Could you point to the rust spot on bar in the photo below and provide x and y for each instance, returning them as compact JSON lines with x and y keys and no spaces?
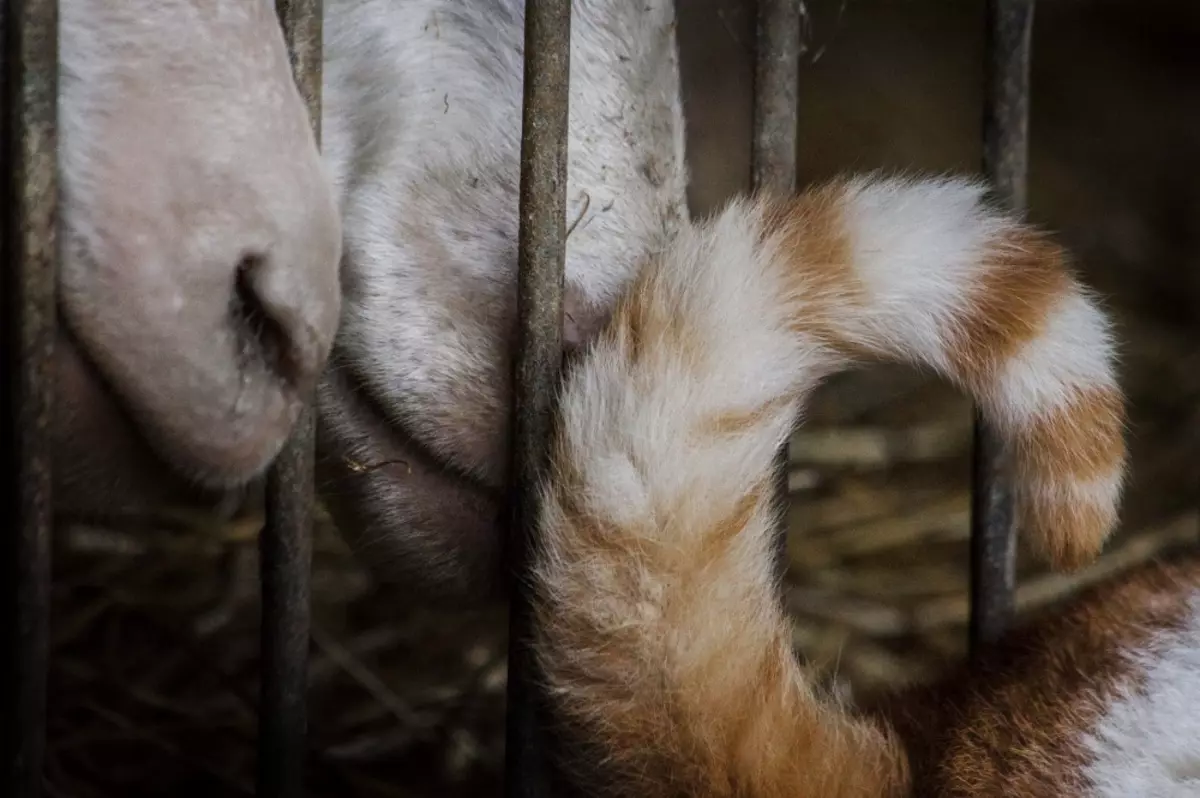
{"x":1005,"y":163}
{"x":286,"y":539}
{"x":541,"y":246}
{"x":773,"y":144}
{"x":29,"y":252}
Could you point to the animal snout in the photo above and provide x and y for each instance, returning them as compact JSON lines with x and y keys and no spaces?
{"x":281,"y":304}
{"x":283,"y":318}
{"x":211,"y":326}
{"x":199,"y":272}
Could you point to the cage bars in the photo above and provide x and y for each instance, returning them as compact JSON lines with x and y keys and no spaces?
{"x":541,"y":242}
{"x":1007,"y":43}
{"x":285,"y":544}
{"x":773,"y":149}
{"x":28,"y":252}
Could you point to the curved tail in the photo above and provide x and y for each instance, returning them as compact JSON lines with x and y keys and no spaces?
{"x":659,"y":627}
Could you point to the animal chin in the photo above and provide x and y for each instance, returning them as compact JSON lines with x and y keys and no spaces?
{"x":413,"y":519}
{"x":107,"y":461}
{"x":248,"y":447}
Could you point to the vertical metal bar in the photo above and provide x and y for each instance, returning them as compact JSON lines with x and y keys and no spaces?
{"x":773,"y":145}
{"x":541,"y":248}
{"x":1005,"y":162}
{"x":286,"y":540}
{"x":776,"y":96}
{"x":28,"y":259}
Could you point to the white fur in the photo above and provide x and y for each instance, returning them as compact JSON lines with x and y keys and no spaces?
{"x":724,"y":289}
{"x":422,"y":124}
{"x":422,"y":134}
{"x":1076,"y":352}
{"x":917,"y":249}
{"x":1100,"y":491}
{"x":1148,"y":742}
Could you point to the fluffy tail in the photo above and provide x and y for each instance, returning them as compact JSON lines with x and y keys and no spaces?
{"x":660,"y":631}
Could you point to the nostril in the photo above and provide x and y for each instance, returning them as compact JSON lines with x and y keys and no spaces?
{"x":263,"y":327}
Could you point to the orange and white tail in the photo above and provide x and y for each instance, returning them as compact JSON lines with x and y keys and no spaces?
{"x":659,"y":627}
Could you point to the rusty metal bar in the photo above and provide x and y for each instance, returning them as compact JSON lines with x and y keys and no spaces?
{"x":29,"y":256}
{"x":541,"y":249}
{"x":1005,"y":163}
{"x":286,"y":540}
{"x":773,"y":144}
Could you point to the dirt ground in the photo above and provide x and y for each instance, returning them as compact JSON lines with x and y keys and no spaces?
{"x":155,"y":636}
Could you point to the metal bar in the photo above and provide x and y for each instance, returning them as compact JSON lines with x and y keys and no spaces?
{"x":29,"y":255}
{"x":286,"y":540}
{"x":1005,"y":162}
{"x":541,"y":248}
{"x":776,"y":96}
{"x":773,"y":145}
